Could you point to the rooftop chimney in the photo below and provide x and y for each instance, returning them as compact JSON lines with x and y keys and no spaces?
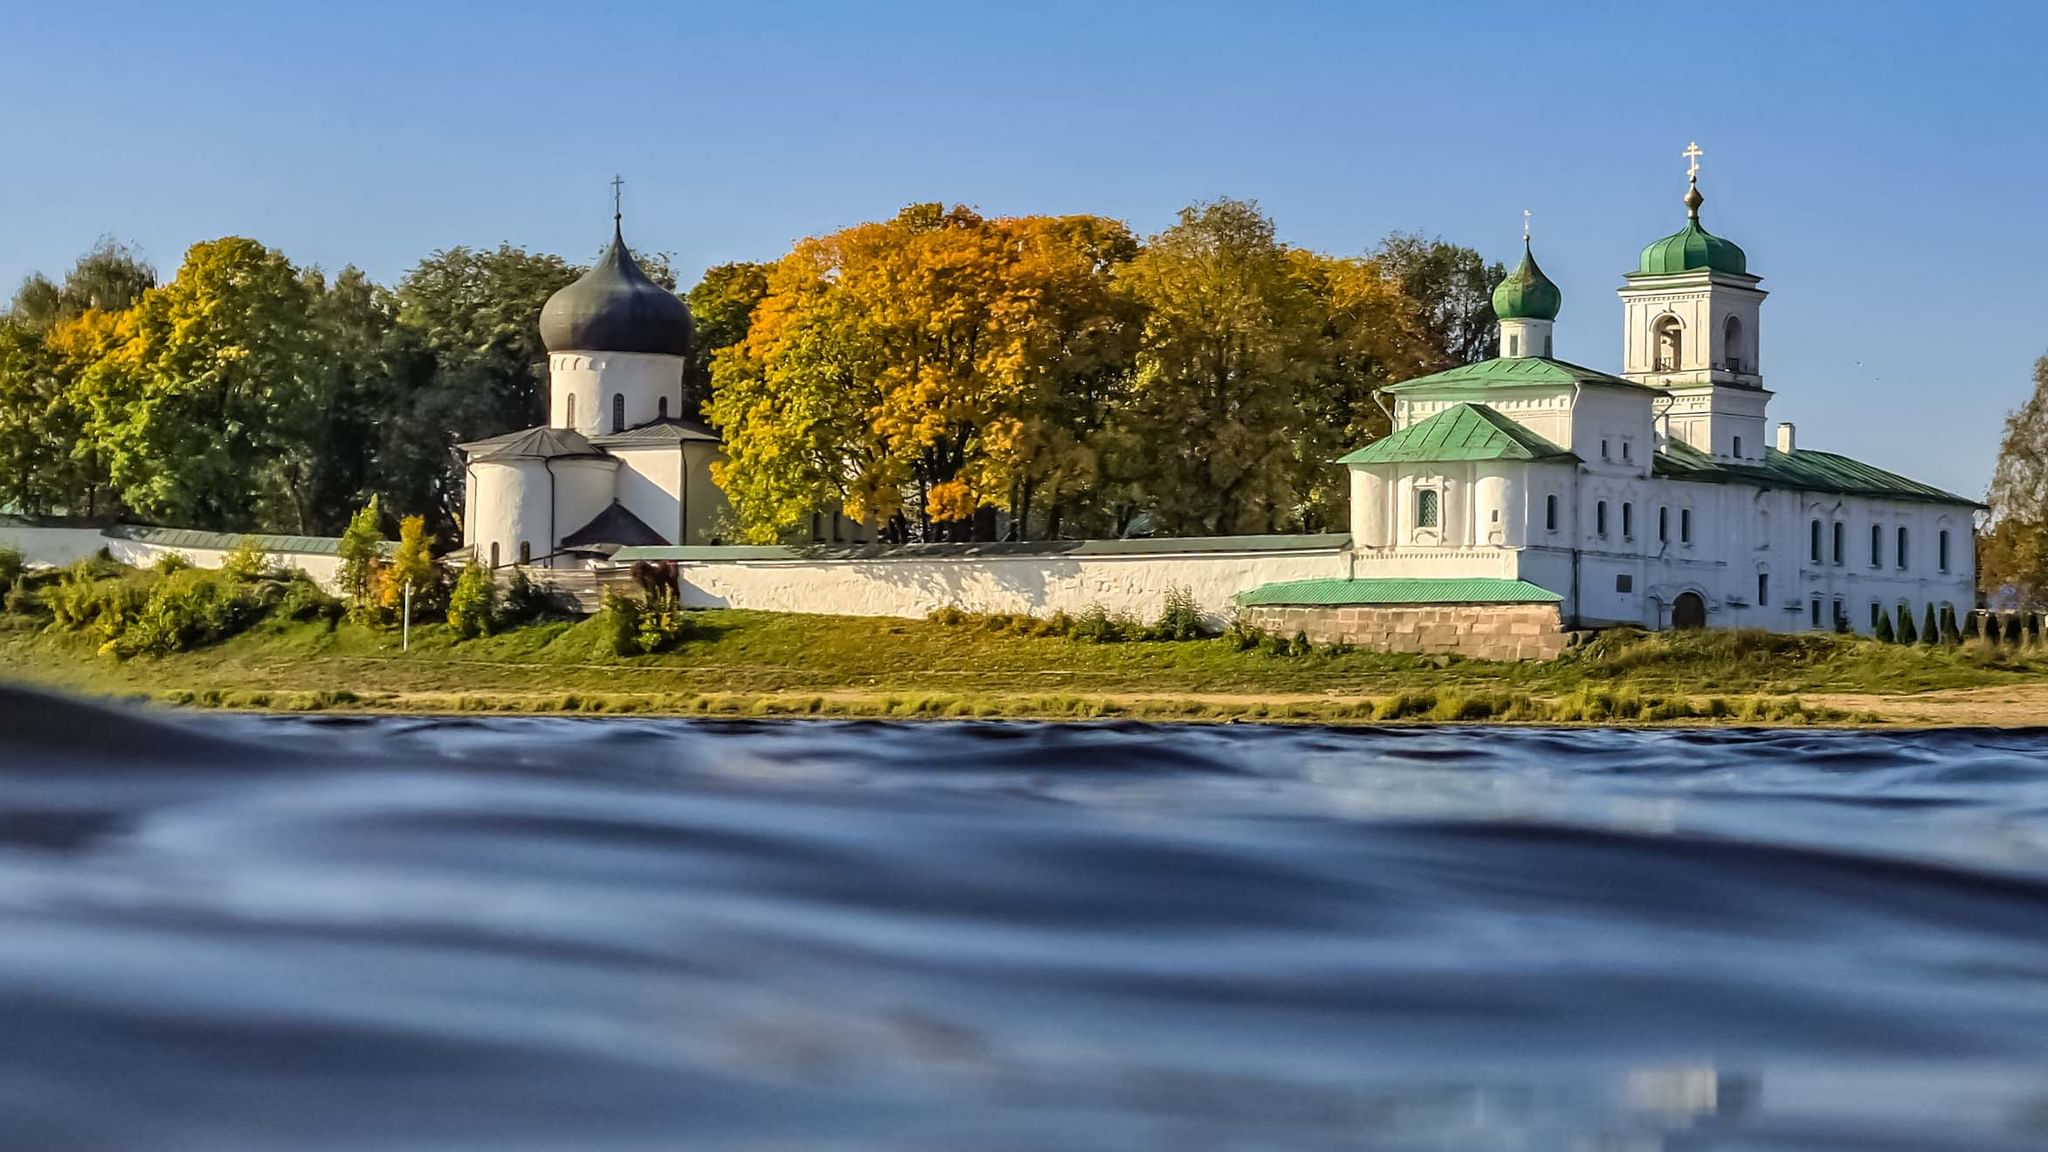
{"x":1786,"y":437}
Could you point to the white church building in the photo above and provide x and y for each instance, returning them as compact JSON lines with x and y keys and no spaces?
{"x":616,"y":465}
{"x":1658,"y":496}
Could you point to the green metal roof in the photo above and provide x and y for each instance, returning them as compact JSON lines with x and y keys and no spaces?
{"x":224,"y":541}
{"x":1805,"y":470}
{"x":1463,"y":590}
{"x":1514,"y":371}
{"x":1460,"y":432}
{"x":1693,"y":248}
{"x":1527,"y":294}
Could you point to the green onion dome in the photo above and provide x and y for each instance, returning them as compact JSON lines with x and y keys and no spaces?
{"x":1693,"y":248}
{"x":1527,"y":294}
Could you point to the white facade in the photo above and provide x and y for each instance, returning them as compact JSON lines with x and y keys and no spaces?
{"x":600,"y":393}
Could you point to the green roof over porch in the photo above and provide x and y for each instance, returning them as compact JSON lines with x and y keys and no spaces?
{"x":1390,"y":590}
{"x":1460,"y":432}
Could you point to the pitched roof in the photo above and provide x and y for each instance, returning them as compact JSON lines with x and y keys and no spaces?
{"x":1460,"y":432}
{"x":654,"y":433}
{"x":617,"y":527}
{"x":1400,"y":590}
{"x":531,"y":444}
{"x":1512,"y":371}
{"x":1804,"y":470}
{"x":1147,"y":546}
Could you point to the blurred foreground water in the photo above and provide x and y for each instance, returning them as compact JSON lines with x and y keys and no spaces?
{"x":221,"y":933}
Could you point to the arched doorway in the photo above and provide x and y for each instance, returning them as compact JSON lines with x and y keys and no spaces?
{"x":1688,"y":611}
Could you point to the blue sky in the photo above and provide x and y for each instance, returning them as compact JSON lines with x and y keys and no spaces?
{"x":1882,"y":164}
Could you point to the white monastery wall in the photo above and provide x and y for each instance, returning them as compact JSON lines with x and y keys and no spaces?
{"x":59,"y":547}
{"x":590,"y":382}
{"x":52,"y":547}
{"x":1037,"y":583}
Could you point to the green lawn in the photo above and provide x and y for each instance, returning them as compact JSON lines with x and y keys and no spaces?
{"x":766,"y":663}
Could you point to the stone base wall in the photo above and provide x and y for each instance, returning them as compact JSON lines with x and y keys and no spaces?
{"x":1480,"y":631}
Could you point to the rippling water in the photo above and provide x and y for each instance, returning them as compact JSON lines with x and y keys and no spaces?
{"x":222,"y":933}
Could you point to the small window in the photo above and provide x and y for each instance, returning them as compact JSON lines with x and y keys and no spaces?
{"x":569,"y":411}
{"x":1663,"y":525}
{"x":1600,"y":519}
{"x":1628,"y":520}
{"x":1876,"y":614}
{"x":1841,"y":542}
{"x":525,"y":552}
{"x":1550,"y":512}
{"x":1624,"y":583}
{"x":1685,"y":525}
{"x":1514,"y":344}
{"x":1816,"y":542}
{"x":494,"y":553}
{"x":1738,"y":448}
{"x":817,"y":527}
{"x":1838,"y":619}
{"x":1877,"y":545}
{"x":1816,"y":611}
{"x":661,"y":408}
{"x":1899,"y":555}
{"x":1425,"y":507}
{"x":1496,"y":516}
{"x":1603,"y":449}
{"x":1763,"y":589}
{"x":618,"y":412}
{"x":1625,"y":446}
{"x":1941,"y":549}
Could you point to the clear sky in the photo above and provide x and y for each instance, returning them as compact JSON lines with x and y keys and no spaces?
{"x":1884,"y":165}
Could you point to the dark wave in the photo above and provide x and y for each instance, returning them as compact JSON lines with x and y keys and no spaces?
{"x":227,"y":932}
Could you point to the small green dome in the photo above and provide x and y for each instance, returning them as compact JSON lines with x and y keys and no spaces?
{"x":1693,"y":248}
{"x":1527,"y":294}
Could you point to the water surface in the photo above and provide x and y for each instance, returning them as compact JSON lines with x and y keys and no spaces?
{"x":222,"y":933}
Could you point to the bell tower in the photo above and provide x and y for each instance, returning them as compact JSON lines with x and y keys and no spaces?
{"x":1690,"y":327}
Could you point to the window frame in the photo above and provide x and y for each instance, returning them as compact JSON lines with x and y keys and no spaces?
{"x":1550,"y":511}
{"x":1902,"y":550}
{"x":1600,"y":519}
{"x":1431,"y":500}
{"x":1685,"y":526}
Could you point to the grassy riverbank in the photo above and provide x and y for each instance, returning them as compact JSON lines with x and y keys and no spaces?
{"x":748,"y":663}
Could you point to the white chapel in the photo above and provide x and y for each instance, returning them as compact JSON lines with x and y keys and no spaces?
{"x":1657,"y":497}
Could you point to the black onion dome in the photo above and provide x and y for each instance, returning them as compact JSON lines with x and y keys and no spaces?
{"x":614,"y":307}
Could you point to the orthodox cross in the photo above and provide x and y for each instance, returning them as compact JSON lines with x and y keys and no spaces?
{"x":1692,"y":152}
{"x":617,"y":183}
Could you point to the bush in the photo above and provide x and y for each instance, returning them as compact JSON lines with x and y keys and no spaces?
{"x":171,"y":563}
{"x":1097,"y":625}
{"x":1951,"y":633}
{"x":301,"y":599}
{"x":1930,"y":626}
{"x":1970,"y":629}
{"x":187,"y":609}
{"x":950,"y":615}
{"x":525,"y":602}
{"x":473,"y":603}
{"x":248,"y":562}
{"x":2012,"y":630}
{"x":1908,"y":634}
{"x":1182,"y":617}
{"x":638,"y":627}
{"x":12,"y":565}
{"x":1299,"y":646}
{"x":1884,"y":632}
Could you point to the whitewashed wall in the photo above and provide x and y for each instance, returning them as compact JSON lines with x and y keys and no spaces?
{"x":1038,"y":584}
{"x":57,"y":547}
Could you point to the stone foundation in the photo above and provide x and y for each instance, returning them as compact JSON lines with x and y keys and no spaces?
{"x":1480,"y":631}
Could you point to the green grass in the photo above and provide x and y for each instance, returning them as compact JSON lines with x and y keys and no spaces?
{"x":751,"y":663}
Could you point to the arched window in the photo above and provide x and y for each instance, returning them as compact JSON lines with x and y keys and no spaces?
{"x":1668,"y":338}
{"x":1941,"y":548}
{"x":1663,"y":525}
{"x":1763,"y":589}
{"x":1685,"y":525}
{"x":1877,"y":545}
{"x":525,"y":552}
{"x":618,"y":412}
{"x":1628,"y":520}
{"x":1733,"y":355}
{"x":494,"y":553}
{"x":661,"y":408}
{"x":1550,"y":512}
{"x":1816,"y":542}
{"x":569,"y":411}
{"x":1841,"y":552}
{"x":1425,"y":507}
{"x":1600,"y":519}
{"x":1514,"y":344}
{"x":1900,"y":557}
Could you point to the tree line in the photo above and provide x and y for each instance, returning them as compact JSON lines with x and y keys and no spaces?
{"x":939,"y":375}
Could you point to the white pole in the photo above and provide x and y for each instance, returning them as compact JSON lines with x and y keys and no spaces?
{"x":405,"y":635}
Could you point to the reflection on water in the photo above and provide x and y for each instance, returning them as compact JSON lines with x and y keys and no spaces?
{"x":225,"y":932}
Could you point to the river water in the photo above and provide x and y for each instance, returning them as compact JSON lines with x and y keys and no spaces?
{"x":222,"y":933}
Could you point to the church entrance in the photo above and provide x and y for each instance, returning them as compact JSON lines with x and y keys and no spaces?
{"x":1688,"y":611}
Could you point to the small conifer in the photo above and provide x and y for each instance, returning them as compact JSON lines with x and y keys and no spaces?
{"x":1908,"y":634}
{"x":1930,"y":626}
{"x":1971,"y":631}
{"x":1884,"y":632}
{"x":2012,"y":630}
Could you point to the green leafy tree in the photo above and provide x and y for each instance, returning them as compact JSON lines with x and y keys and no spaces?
{"x":473,"y":602}
{"x":1908,"y":634}
{"x":360,"y":551}
{"x":722,"y":304}
{"x":110,"y":278}
{"x":1884,"y":631}
{"x":1451,"y":288}
{"x":1227,"y":359}
{"x":413,"y":566}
